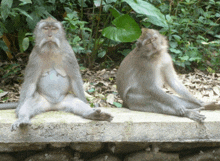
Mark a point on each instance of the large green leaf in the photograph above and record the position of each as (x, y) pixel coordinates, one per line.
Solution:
(8, 3)
(21, 36)
(23, 12)
(25, 43)
(24, 2)
(114, 12)
(125, 30)
(154, 15)
(5, 8)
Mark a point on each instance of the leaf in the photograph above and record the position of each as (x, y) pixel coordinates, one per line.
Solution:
(7, 3)
(119, 105)
(194, 58)
(110, 1)
(5, 10)
(35, 18)
(91, 90)
(177, 37)
(173, 44)
(23, 12)
(21, 36)
(98, 3)
(102, 54)
(175, 51)
(184, 57)
(3, 94)
(110, 98)
(52, 1)
(125, 52)
(24, 2)
(80, 2)
(114, 12)
(169, 19)
(154, 15)
(216, 90)
(25, 43)
(125, 30)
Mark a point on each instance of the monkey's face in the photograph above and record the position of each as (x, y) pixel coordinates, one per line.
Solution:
(151, 42)
(48, 33)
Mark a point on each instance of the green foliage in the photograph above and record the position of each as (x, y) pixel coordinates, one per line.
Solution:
(193, 33)
(76, 31)
(11, 70)
(125, 30)
(119, 105)
(18, 19)
(97, 28)
(153, 14)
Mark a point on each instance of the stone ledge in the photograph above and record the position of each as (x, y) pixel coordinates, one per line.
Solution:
(127, 126)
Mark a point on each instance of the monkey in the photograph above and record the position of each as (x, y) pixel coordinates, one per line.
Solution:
(144, 71)
(52, 80)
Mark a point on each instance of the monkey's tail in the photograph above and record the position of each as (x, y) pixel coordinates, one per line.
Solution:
(5, 106)
(211, 106)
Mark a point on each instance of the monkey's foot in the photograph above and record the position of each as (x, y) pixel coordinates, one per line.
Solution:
(19, 122)
(195, 115)
(98, 115)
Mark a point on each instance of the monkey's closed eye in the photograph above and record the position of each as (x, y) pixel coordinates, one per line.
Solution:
(148, 41)
(54, 28)
(45, 28)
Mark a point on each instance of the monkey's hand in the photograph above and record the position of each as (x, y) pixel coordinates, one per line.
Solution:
(195, 115)
(96, 114)
(20, 122)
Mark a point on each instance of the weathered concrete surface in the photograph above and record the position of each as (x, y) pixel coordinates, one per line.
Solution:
(127, 126)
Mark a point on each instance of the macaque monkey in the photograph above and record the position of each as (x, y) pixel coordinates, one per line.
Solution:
(143, 73)
(52, 78)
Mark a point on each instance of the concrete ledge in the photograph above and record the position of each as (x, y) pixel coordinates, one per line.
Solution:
(127, 126)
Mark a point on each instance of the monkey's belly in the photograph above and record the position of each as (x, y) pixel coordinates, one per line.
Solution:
(53, 86)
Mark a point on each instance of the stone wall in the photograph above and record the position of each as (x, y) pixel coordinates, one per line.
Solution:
(131, 136)
(110, 152)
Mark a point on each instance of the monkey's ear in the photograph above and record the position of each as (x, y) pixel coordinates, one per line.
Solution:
(144, 30)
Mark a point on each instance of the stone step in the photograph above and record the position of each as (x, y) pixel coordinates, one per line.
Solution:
(127, 126)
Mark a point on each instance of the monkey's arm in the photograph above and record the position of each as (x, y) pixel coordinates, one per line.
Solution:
(72, 69)
(77, 86)
(173, 81)
(32, 74)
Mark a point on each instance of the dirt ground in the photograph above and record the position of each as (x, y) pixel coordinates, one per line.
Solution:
(100, 87)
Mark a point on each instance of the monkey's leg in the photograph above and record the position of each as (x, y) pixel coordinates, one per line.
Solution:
(187, 104)
(78, 107)
(32, 106)
(144, 103)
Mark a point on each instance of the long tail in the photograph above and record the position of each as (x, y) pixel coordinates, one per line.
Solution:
(211, 106)
(5, 106)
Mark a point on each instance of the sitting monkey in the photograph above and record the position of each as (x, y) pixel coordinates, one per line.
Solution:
(143, 73)
(52, 78)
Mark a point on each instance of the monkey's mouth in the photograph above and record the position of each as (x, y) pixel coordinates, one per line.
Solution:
(49, 41)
